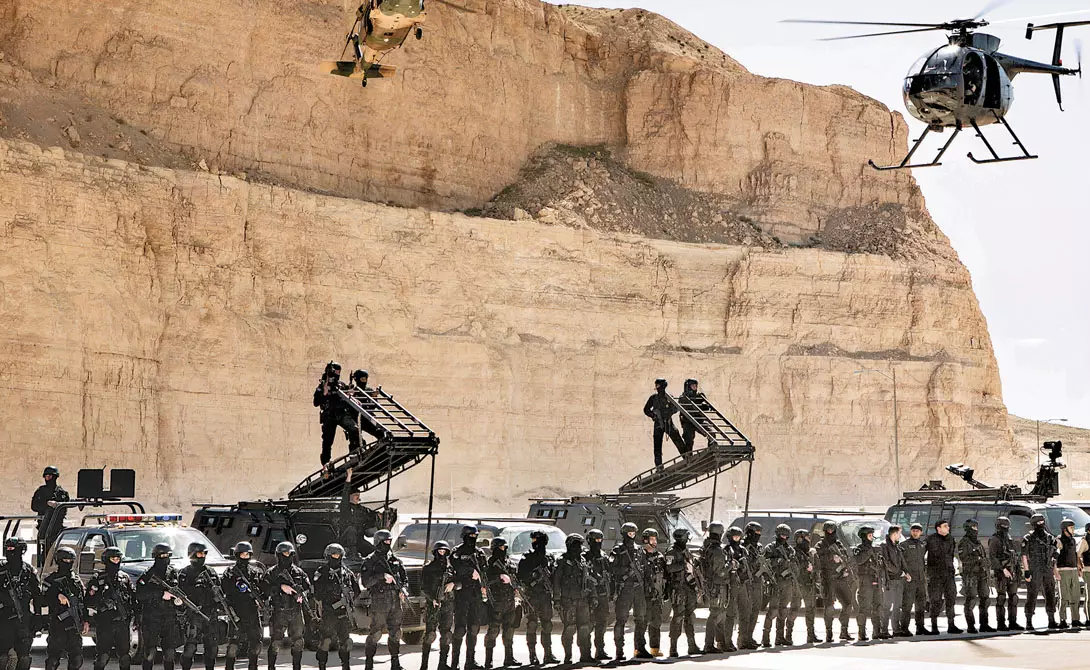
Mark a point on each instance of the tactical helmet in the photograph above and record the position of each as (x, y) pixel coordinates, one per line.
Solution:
(1037, 519)
(359, 374)
(196, 548)
(829, 527)
(681, 535)
(690, 381)
(801, 532)
(382, 536)
(285, 548)
(595, 534)
(734, 530)
(111, 552)
(716, 528)
(629, 528)
(498, 543)
(51, 470)
(648, 533)
(574, 538)
(333, 549)
(661, 382)
(243, 548)
(442, 545)
(538, 535)
(864, 531)
(1067, 523)
(754, 527)
(919, 526)
(162, 548)
(970, 524)
(65, 554)
(783, 530)
(468, 530)
(333, 365)
(13, 544)
(1004, 523)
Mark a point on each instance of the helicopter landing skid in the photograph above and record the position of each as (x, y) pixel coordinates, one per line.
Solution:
(1026, 155)
(903, 165)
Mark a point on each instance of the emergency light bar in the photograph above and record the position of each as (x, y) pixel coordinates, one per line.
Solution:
(143, 518)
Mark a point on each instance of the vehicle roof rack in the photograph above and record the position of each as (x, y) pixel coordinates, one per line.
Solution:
(1007, 492)
(472, 518)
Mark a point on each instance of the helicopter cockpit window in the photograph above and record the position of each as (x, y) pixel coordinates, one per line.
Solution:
(974, 77)
(936, 71)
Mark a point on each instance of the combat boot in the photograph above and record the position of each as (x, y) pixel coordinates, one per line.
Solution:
(395, 663)
(766, 639)
(970, 621)
(641, 653)
(1052, 621)
(533, 658)
(811, 636)
(984, 627)
(549, 659)
(861, 623)
(844, 634)
(455, 653)
(828, 634)
(369, 664)
(782, 635)
(509, 657)
(673, 649)
(488, 658)
(951, 627)
(1063, 623)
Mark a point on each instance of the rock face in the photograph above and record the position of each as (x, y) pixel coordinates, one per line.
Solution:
(177, 322)
(160, 312)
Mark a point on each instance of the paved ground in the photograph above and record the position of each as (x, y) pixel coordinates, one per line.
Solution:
(1056, 651)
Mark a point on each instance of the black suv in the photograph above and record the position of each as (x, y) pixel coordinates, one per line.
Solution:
(847, 523)
(928, 512)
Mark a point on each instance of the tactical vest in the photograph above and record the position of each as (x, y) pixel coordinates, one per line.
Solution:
(1068, 556)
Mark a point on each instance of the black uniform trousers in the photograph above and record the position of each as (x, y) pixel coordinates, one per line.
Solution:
(332, 629)
(631, 601)
(501, 623)
(1006, 600)
(756, 604)
(976, 590)
(158, 631)
(1042, 580)
(330, 424)
(575, 615)
(715, 631)
(682, 605)
(469, 614)
(780, 600)
(599, 620)
(112, 637)
(18, 637)
(869, 599)
(738, 612)
(805, 596)
(437, 620)
(211, 634)
(940, 589)
(671, 430)
(838, 590)
(385, 613)
(286, 631)
(539, 616)
(63, 640)
(245, 639)
(652, 628)
(915, 596)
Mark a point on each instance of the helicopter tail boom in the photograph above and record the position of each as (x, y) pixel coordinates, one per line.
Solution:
(1056, 52)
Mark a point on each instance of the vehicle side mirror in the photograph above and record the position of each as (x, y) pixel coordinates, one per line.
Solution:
(86, 562)
(704, 525)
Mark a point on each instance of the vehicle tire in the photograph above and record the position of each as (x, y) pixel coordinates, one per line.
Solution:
(413, 637)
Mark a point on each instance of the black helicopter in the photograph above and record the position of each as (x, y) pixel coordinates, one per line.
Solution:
(965, 82)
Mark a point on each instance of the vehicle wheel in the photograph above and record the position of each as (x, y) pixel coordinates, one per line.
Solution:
(412, 637)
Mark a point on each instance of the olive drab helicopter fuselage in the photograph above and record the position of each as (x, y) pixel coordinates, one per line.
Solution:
(966, 83)
(381, 26)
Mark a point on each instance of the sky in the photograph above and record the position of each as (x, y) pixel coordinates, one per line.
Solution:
(1022, 228)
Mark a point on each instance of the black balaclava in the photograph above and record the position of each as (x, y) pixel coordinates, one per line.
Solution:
(384, 547)
(803, 542)
(242, 562)
(14, 558)
(753, 537)
(734, 539)
(1039, 528)
(159, 565)
(866, 539)
(112, 568)
(573, 550)
(594, 546)
(334, 562)
(197, 562)
(283, 561)
(782, 539)
(539, 543)
(64, 567)
(971, 532)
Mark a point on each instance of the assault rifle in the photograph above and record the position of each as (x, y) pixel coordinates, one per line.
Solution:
(764, 568)
(589, 584)
(259, 600)
(221, 598)
(310, 617)
(486, 590)
(347, 598)
(521, 593)
(540, 577)
(70, 617)
(402, 589)
(16, 602)
(179, 596)
(844, 569)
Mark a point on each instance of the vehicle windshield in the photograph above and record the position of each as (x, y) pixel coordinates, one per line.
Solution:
(1055, 515)
(849, 530)
(518, 540)
(136, 544)
(675, 519)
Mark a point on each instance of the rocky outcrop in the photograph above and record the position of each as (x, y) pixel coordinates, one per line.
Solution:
(176, 322)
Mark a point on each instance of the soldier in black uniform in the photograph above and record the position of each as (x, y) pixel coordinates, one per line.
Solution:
(241, 584)
(500, 575)
(63, 597)
(383, 575)
(199, 583)
(688, 428)
(835, 569)
(654, 580)
(975, 573)
(332, 412)
(893, 559)
(437, 584)
(716, 570)
(1039, 567)
(740, 605)
(573, 587)
(682, 584)
(288, 591)
(601, 570)
(470, 597)
(752, 545)
(940, 576)
(535, 572)
(44, 503)
(1007, 568)
(335, 588)
(19, 592)
(110, 600)
(872, 575)
(783, 582)
(629, 566)
(914, 549)
(806, 569)
(660, 409)
(158, 615)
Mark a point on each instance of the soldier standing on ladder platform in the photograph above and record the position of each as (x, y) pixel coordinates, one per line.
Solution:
(660, 409)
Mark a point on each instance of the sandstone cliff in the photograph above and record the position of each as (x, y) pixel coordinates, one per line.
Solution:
(175, 320)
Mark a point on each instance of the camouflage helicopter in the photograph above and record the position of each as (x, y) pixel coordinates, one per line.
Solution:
(381, 26)
(966, 82)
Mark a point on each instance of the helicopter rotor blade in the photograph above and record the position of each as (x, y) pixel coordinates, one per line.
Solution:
(1038, 17)
(865, 23)
(895, 32)
(990, 7)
